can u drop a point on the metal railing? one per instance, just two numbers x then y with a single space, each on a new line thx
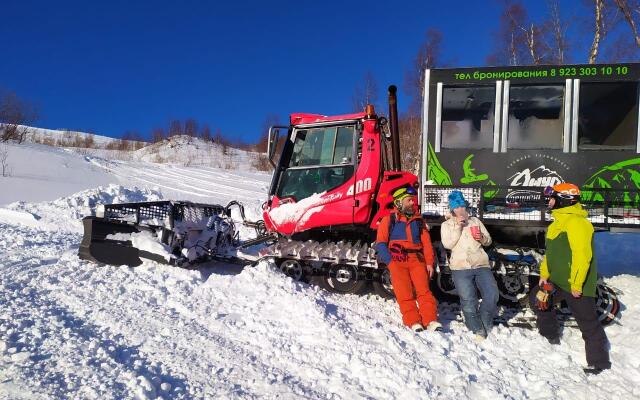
516 205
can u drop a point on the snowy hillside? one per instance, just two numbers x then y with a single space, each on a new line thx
183 150
38 135
71 329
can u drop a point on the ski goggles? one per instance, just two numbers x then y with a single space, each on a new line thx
405 192
550 192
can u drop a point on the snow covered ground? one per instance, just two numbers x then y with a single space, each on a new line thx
70 329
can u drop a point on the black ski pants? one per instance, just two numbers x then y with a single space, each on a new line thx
584 311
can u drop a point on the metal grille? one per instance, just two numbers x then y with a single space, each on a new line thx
527 205
161 213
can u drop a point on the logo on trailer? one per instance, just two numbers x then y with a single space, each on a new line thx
539 177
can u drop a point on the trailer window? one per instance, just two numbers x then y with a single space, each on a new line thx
468 117
536 117
608 115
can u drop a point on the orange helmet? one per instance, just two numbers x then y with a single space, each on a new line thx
566 194
567 189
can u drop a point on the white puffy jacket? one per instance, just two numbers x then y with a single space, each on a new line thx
466 252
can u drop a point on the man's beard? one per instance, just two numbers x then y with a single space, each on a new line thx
408 211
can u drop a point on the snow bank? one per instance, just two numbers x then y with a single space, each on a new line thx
66 213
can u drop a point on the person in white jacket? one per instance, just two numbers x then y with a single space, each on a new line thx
469 264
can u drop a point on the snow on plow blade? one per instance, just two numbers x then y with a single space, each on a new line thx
168 232
97 248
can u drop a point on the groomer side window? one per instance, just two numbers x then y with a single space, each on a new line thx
608 115
468 117
536 117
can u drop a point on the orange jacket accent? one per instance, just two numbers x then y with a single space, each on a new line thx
411 234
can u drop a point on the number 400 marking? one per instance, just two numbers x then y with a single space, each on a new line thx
361 186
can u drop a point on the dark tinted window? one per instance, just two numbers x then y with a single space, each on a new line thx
608 115
322 146
344 146
322 160
301 183
468 117
536 117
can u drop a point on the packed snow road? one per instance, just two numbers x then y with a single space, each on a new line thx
71 329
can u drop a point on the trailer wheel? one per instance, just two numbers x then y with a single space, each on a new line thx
293 269
512 287
343 278
382 286
607 304
443 287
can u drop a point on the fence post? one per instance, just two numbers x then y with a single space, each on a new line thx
481 204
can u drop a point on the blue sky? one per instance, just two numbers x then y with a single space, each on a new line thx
108 67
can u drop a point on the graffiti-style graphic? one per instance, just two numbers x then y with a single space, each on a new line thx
435 171
471 177
541 176
622 175
470 173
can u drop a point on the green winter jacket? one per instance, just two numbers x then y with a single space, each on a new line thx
569 261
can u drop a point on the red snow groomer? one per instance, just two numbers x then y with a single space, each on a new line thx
331 186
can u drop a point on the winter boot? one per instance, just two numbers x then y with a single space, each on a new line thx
434 326
593 370
417 328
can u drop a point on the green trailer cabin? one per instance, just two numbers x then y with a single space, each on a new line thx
502 134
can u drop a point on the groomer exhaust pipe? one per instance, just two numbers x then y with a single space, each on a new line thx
393 128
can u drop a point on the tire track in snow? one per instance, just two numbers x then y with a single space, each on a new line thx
55 350
211 182
200 188
205 350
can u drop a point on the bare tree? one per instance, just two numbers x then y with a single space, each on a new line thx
89 141
175 128
630 13
558 31
263 142
137 140
14 115
158 135
599 30
261 163
191 127
205 134
536 45
4 156
522 41
410 127
217 137
428 56
367 93
511 43
525 32
132 140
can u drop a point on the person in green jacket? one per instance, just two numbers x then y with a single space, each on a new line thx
568 272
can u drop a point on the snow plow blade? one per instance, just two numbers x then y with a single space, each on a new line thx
97 248
177 233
